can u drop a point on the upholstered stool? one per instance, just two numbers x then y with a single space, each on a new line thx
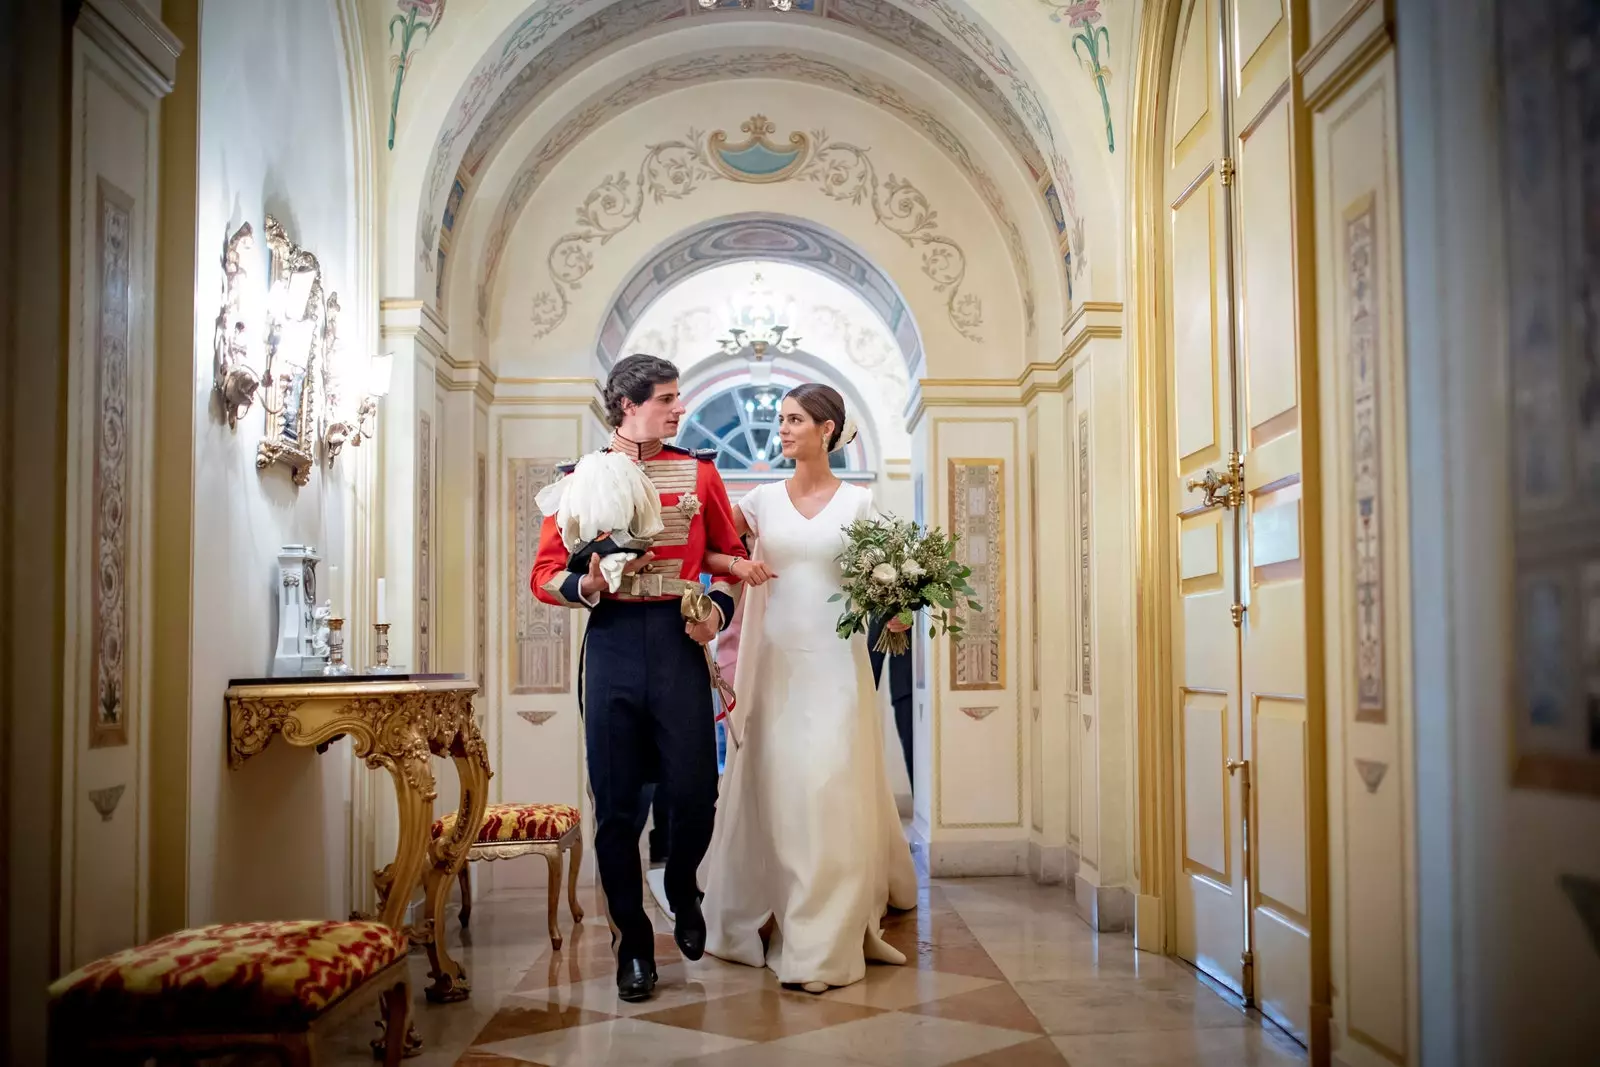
229 988
511 830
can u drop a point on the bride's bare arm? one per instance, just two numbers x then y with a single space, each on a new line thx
749 571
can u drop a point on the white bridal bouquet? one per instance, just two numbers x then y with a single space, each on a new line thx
893 569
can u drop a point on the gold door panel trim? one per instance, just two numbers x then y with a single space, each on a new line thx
1276 535
1195 802
1280 425
1284 717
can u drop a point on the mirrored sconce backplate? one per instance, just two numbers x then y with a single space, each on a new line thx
297 316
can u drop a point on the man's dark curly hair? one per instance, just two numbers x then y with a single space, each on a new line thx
635 378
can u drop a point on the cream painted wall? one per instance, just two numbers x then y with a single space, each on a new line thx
972 805
270 839
620 146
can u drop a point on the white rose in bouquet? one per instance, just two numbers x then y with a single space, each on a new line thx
893 569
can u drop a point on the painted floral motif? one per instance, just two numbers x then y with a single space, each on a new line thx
424 540
674 170
977 525
1362 309
1083 16
479 91
107 723
699 69
415 17
541 635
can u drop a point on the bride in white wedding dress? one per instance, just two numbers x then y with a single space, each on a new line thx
807 833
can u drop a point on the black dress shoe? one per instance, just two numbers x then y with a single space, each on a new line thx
690 929
636 980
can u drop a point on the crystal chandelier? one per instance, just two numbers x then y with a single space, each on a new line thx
775 5
757 332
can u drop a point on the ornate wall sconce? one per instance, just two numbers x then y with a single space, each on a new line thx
297 327
233 377
353 420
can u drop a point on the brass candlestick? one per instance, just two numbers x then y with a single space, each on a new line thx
382 666
336 663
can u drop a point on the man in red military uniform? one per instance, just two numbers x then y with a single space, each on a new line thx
646 687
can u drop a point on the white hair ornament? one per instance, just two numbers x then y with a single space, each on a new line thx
846 435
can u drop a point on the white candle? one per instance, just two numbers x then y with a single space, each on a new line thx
383 608
333 584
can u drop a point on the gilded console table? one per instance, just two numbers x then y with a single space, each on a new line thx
395 721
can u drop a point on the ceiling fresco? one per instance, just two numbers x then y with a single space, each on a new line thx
560 36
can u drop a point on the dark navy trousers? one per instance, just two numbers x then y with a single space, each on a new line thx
648 717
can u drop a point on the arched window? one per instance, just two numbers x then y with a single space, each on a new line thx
741 423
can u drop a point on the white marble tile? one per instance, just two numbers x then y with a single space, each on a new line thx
895 1039
617 1041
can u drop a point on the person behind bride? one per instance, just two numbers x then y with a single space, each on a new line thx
808 851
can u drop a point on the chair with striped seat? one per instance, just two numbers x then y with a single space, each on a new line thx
512 830
232 988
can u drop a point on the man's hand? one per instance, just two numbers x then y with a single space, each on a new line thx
895 626
702 631
595 581
754 573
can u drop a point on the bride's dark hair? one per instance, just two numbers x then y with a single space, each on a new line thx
824 404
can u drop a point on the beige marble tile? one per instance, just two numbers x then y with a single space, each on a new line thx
893 988
677 984
896 1039
768 1056
764 1015
620 1041
1230 1047
1114 1005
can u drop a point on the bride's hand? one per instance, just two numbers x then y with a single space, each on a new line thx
895 626
754 573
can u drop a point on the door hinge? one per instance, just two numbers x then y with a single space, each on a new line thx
1226 169
1247 964
1236 610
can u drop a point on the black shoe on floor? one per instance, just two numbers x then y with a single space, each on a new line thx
690 929
636 980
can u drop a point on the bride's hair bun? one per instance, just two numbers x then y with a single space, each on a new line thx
824 404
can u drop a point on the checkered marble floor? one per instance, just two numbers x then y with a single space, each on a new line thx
1001 972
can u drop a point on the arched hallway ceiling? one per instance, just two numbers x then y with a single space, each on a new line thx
496 62
648 177
645 82
762 239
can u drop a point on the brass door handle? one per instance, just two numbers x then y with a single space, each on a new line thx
1227 488
1234 764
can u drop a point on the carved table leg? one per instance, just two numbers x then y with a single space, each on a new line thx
449 855
414 793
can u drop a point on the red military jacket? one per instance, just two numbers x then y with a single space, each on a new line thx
698 519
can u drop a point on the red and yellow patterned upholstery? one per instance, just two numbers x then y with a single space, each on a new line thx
237 976
507 823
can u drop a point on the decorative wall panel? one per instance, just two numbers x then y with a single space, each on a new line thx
108 723
977 519
541 635
424 541
1550 96
1085 627
482 576
1361 303
919 650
